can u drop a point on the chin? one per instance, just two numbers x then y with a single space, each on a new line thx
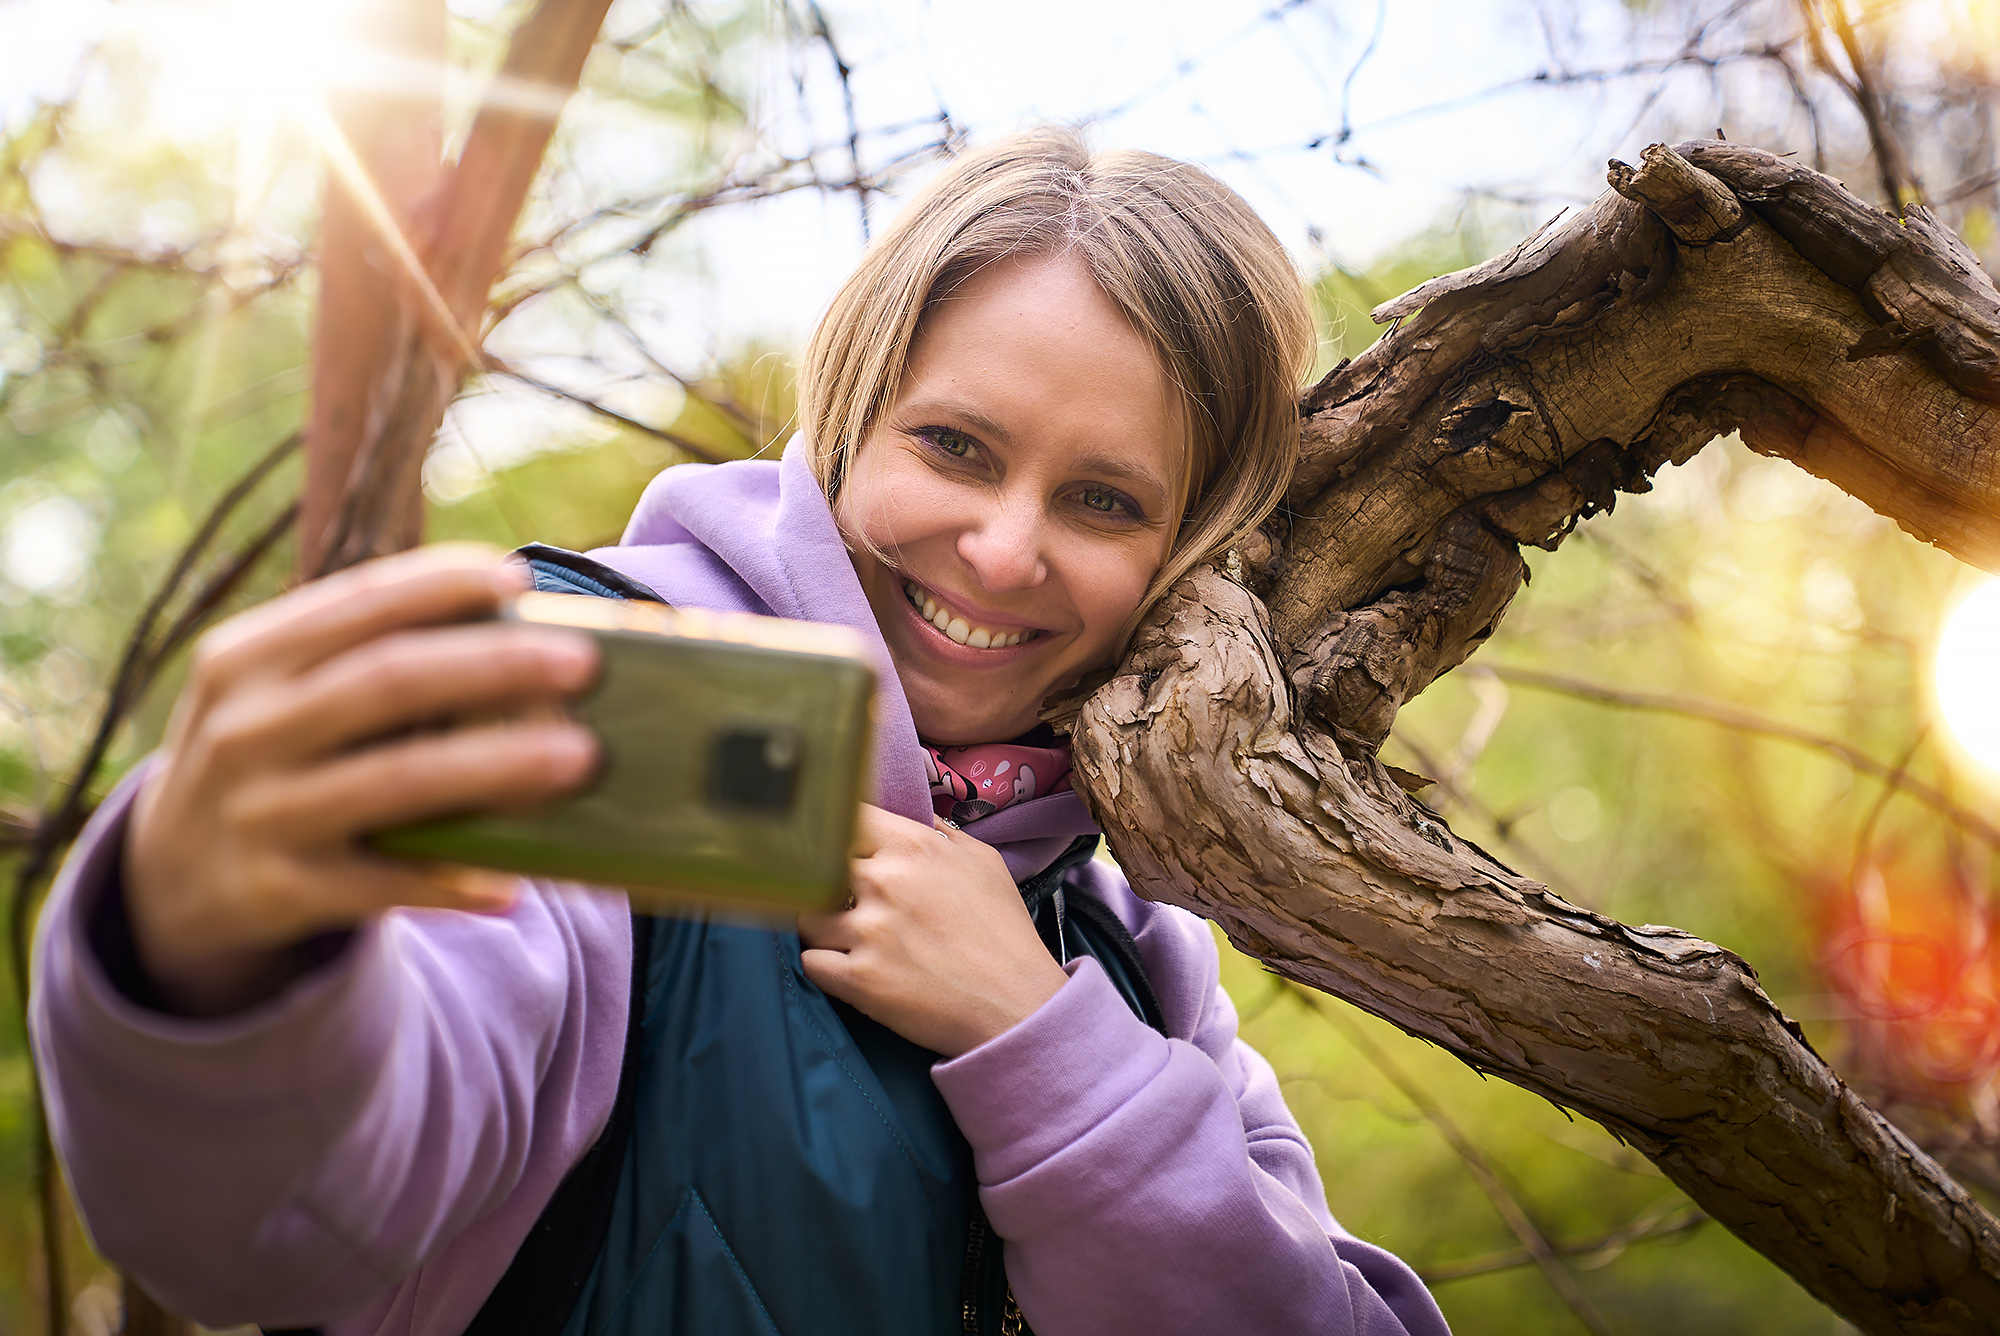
942 720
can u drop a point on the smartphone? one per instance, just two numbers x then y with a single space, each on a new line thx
734 756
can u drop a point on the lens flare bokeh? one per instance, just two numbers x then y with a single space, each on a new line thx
1910 953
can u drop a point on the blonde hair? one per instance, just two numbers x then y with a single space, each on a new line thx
1190 265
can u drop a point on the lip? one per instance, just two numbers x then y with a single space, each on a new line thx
942 646
975 613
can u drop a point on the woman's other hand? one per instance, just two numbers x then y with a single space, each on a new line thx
937 946
308 722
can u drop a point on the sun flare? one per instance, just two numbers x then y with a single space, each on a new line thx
1967 677
222 65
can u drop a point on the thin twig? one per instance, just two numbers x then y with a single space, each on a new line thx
219 587
135 667
1483 1173
1446 779
1747 721
1652 1224
845 74
1898 779
677 441
1892 166
138 666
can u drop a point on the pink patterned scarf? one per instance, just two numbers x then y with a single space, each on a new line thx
971 782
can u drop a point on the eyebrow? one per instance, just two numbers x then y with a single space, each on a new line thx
1099 464
1106 466
965 412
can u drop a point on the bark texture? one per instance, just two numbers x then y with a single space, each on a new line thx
1233 759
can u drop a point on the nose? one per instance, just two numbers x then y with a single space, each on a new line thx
1004 547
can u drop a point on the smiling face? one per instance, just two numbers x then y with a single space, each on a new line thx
1024 487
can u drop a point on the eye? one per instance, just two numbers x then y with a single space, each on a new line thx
1109 501
1101 499
950 441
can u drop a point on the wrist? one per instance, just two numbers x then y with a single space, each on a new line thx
190 963
1030 992
207 986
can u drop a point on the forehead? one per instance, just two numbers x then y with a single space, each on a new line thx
1033 355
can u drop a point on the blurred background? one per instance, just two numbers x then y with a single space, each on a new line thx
1723 707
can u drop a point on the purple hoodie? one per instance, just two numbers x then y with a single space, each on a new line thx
366 1150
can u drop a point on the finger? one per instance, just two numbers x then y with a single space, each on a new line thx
832 972
834 931
869 830
398 680
494 767
879 830
344 892
478 890
431 585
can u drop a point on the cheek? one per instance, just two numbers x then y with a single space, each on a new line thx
887 501
1114 586
860 489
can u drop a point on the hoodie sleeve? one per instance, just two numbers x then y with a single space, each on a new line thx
1159 1185
296 1162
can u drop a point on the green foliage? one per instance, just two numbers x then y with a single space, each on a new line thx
1342 297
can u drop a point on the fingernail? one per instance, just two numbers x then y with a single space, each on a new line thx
572 659
515 577
572 752
481 890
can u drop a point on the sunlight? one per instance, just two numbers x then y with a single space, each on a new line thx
1975 28
1968 674
242 65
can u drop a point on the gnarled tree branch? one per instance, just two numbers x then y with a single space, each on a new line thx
1233 760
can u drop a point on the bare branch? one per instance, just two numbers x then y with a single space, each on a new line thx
1749 721
1657 1222
1509 1207
362 497
609 414
138 666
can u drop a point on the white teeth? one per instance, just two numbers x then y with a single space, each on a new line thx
958 628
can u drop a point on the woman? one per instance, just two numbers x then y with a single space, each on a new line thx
1057 384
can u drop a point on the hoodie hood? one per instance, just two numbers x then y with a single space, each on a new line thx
757 535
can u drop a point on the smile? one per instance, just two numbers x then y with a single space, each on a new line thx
950 622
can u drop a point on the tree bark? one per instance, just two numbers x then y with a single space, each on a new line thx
1232 761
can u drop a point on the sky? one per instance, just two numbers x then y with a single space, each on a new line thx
1258 92
1255 92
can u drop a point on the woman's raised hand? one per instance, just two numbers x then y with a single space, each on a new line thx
937 946
306 723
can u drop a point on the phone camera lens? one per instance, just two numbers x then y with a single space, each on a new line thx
754 769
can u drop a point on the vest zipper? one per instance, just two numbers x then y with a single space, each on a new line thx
976 1233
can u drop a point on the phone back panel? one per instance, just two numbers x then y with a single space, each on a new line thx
732 772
